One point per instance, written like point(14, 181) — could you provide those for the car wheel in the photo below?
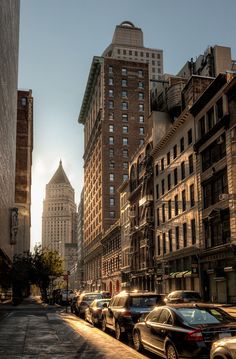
point(137, 341)
point(171, 352)
point(104, 325)
point(118, 333)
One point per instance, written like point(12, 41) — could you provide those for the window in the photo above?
point(210, 118)
point(168, 158)
point(163, 213)
point(169, 209)
point(124, 94)
point(158, 217)
point(182, 144)
point(141, 141)
point(215, 186)
point(170, 240)
point(214, 152)
point(141, 130)
point(125, 165)
point(111, 152)
point(193, 230)
point(124, 52)
point(162, 164)
point(110, 104)
point(141, 96)
point(141, 119)
point(176, 206)
point(124, 105)
point(169, 181)
point(185, 234)
point(125, 153)
point(111, 128)
point(175, 176)
point(110, 81)
point(190, 164)
point(183, 200)
point(182, 170)
point(140, 85)
point(157, 191)
point(112, 177)
point(125, 177)
point(202, 129)
point(124, 83)
point(140, 72)
point(111, 116)
point(124, 71)
point(23, 101)
point(158, 245)
point(125, 129)
point(111, 140)
point(175, 151)
point(111, 93)
point(125, 141)
point(164, 242)
point(177, 237)
point(112, 201)
point(191, 190)
point(112, 165)
point(190, 137)
point(112, 214)
point(110, 69)
point(219, 109)
point(162, 186)
point(124, 117)
point(141, 107)
point(157, 169)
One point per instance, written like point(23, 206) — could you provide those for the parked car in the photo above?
point(125, 309)
point(224, 349)
point(183, 330)
point(66, 297)
point(93, 313)
point(84, 299)
point(183, 296)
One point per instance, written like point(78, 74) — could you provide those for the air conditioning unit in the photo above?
point(223, 196)
point(220, 140)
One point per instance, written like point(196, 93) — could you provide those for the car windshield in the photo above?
point(143, 302)
point(204, 315)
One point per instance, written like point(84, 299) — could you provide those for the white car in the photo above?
point(224, 348)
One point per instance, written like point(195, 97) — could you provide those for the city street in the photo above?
point(35, 330)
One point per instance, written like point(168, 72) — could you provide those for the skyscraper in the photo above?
point(59, 220)
point(114, 112)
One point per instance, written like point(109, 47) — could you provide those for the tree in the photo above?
point(46, 264)
point(35, 269)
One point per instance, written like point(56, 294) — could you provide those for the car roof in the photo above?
point(139, 294)
point(195, 305)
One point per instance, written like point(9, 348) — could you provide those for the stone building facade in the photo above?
point(24, 148)
point(9, 43)
point(59, 219)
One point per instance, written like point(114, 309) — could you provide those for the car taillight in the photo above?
point(194, 336)
point(126, 314)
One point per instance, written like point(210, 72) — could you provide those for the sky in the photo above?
point(58, 39)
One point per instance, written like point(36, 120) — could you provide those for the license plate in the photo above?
point(223, 335)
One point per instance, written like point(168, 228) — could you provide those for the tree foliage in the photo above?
point(37, 268)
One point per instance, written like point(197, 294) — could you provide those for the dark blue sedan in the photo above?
point(180, 331)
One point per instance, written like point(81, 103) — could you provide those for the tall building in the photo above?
point(128, 44)
point(9, 40)
point(114, 112)
point(24, 147)
point(59, 220)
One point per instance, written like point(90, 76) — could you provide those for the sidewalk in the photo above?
point(36, 330)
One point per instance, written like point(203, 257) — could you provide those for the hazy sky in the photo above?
point(58, 39)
